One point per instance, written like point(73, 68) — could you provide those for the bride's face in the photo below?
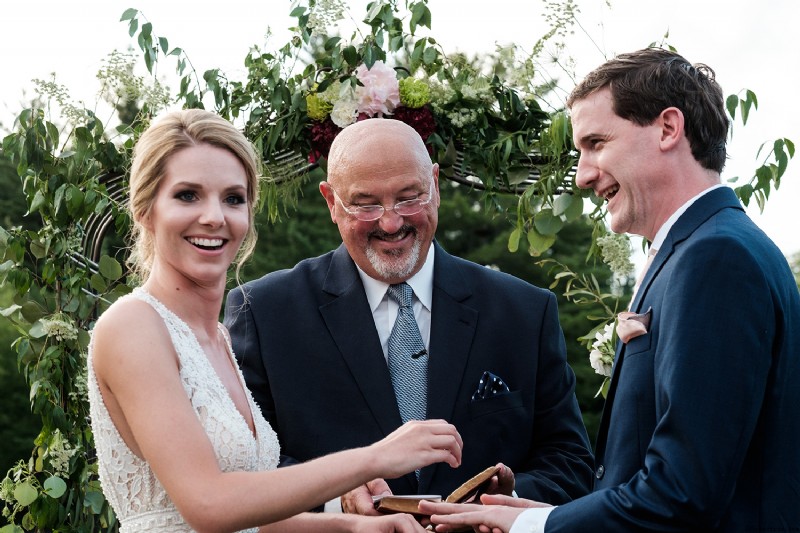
point(200, 214)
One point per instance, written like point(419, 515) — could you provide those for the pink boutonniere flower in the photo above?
point(631, 325)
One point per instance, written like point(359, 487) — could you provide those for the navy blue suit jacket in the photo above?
point(701, 428)
point(310, 353)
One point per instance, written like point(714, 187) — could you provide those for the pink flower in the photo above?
point(631, 325)
point(380, 93)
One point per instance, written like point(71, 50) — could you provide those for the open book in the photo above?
point(468, 492)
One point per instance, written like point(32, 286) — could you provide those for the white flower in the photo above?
point(601, 357)
point(345, 110)
point(616, 250)
point(60, 327)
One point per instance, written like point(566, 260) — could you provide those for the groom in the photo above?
point(701, 428)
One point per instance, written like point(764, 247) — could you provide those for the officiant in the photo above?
point(343, 348)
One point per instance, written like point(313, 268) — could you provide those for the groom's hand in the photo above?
point(359, 500)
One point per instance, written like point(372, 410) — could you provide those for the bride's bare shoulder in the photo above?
point(129, 326)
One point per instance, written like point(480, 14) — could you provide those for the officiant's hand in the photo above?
point(359, 500)
point(502, 482)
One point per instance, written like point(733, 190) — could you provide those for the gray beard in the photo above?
point(394, 266)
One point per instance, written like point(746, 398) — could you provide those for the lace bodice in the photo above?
point(137, 497)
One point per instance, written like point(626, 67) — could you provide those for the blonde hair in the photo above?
point(164, 138)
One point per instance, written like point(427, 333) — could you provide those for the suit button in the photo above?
point(600, 471)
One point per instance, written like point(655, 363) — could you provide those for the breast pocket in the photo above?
point(495, 404)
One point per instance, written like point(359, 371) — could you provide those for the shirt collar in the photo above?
point(421, 283)
point(661, 235)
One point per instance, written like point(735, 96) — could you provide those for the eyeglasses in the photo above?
point(369, 213)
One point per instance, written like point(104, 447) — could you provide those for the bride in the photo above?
point(181, 445)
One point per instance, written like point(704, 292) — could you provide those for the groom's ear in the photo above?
point(671, 122)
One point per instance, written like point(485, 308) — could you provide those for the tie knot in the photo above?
point(401, 293)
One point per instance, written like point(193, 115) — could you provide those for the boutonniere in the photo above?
point(631, 325)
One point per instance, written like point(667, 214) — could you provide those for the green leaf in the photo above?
point(55, 487)
point(731, 103)
point(133, 26)
point(429, 55)
point(98, 283)
point(11, 528)
point(517, 175)
point(25, 494)
point(297, 12)
point(110, 268)
point(74, 198)
point(331, 43)
point(562, 203)
point(547, 223)
point(513, 240)
point(94, 500)
point(128, 14)
point(38, 249)
point(538, 243)
point(350, 55)
point(37, 203)
point(575, 209)
point(37, 330)
point(162, 41)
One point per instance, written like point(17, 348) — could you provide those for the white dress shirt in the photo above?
point(384, 309)
point(384, 313)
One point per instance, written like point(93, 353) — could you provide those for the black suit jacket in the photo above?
point(310, 353)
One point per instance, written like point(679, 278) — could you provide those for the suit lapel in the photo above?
point(699, 212)
point(350, 323)
point(453, 326)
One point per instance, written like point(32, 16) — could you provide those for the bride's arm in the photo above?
point(138, 373)
point(342, 523)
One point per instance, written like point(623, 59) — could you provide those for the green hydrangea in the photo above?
point(414, 93)
point(317, 108)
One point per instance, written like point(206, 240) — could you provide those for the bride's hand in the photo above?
point(482, 518)
point(416, 444)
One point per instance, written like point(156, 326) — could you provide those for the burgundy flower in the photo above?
point(321, 136)
point(421, 119)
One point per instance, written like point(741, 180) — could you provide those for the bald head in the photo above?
point(379, 142)
point(382, 162)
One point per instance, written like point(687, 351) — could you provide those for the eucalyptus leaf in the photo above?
point(94, 500)
point(55, 487)
point(562, 204)
point(547, 223)
point(25, 493)
point(128, 14)
point(98, 283)
point(575, 209)
point(538, 243)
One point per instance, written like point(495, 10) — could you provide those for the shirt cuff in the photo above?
point(531, 520)
point(333, 506)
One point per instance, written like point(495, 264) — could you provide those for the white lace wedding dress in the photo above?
point(137, 497)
